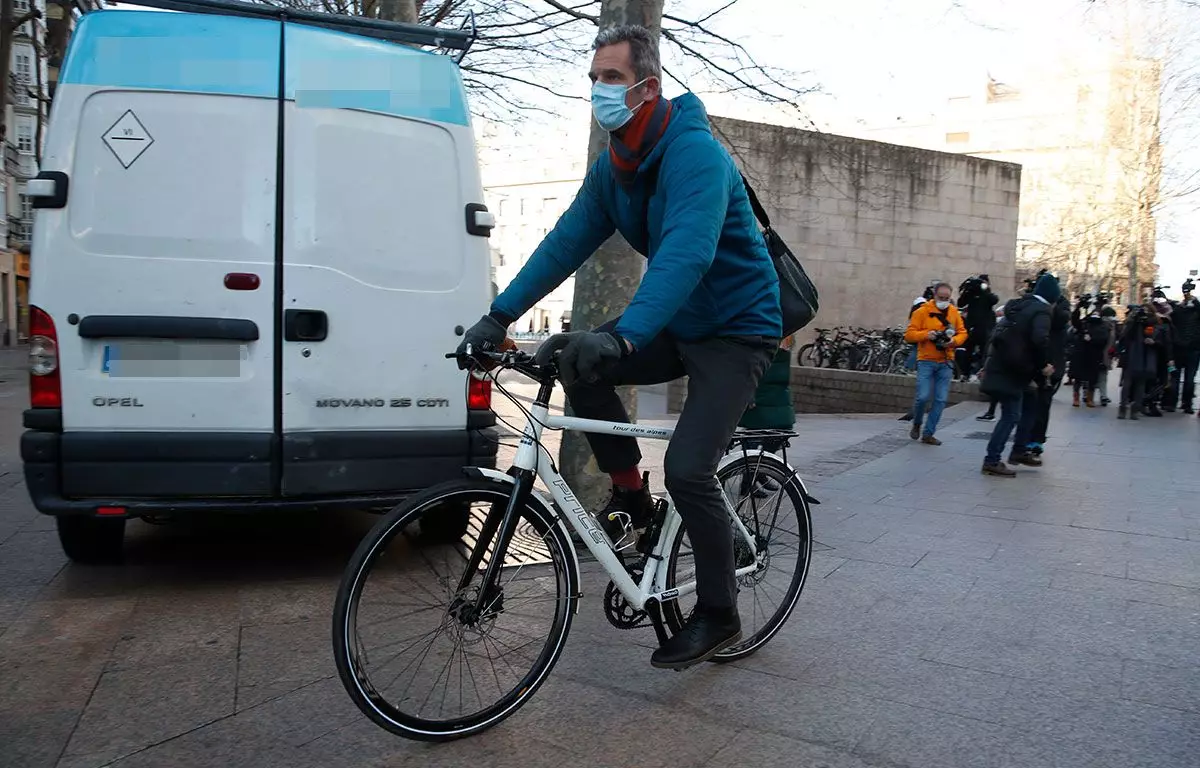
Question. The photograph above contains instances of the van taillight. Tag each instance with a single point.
(45, 386)
(479, 393)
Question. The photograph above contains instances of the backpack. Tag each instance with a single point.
(1010, 345)
(798, 299)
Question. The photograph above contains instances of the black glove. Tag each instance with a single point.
(585, 355)
(485, 336)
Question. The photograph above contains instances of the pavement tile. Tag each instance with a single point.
(30, 558)
(13, 601)
(133, 708)
(1171, 687)
(926, 738)
(34, 739)
(767, 750)
(905, 556)
(1145, 591)
(1057, 667)
(172, 627)
(938, 544)
(275, 659)
(587, 719)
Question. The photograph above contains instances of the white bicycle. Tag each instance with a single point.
(437, 638)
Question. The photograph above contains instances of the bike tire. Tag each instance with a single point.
(348, 657)
(809, 356)
(757, 467)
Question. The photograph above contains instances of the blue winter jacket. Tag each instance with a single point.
(708, 272)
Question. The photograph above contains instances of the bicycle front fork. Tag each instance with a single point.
(501, 525)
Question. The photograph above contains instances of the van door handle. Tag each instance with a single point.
(305, 325)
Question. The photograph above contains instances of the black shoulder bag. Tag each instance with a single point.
(797, 294)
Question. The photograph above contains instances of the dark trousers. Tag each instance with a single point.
(1041, 422)
(1029, 415)
(1010, 416)
(1133, 389)
(1186, 363)
(975, 345)
(723, 374)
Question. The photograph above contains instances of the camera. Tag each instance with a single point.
(943, 338)
(1159, 292)
(1189, 286)
(1085, 300)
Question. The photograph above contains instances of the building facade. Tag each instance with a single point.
(38, 45)
(1088, 141)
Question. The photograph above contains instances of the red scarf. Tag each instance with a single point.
(638, 138)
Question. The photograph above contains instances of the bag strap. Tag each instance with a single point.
(760, 213)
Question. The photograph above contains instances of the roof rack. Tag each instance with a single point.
(392, 31)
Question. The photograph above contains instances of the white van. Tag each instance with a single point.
(255, 240)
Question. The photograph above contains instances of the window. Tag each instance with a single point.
(26, 207)
(23, 66)
(960, 137)
(25, 136)
(20, 6)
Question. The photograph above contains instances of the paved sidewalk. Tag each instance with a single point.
(949, 619)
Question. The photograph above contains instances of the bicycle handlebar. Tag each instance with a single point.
(513, 359)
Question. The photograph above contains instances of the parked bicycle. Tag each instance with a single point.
(857, 349)
(488, 613)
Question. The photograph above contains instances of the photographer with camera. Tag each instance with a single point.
(1018, 354)
(1091, 340)
(977, 301)
(1141, 345)
(936, 327)
(1186, 319)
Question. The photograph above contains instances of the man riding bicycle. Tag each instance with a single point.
(707, 308)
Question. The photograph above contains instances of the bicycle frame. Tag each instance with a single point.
(531, 455)
(532, 460)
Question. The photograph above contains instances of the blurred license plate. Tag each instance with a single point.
(171, 359)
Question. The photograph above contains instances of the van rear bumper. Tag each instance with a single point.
(154, 472)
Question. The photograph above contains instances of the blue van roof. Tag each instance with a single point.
(237, 56)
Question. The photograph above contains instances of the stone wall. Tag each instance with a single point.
(874, 223)
(821, 390)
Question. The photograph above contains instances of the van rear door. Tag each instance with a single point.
(159, 274)
(379, 268)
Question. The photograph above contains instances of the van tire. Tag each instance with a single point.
(90, 540)
(448, 524)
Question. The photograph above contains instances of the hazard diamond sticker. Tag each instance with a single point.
(128, 139)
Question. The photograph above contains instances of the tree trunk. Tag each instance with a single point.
(605, 284)
(398, 10)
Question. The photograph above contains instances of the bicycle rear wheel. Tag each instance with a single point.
(767, 497)
(412, 649)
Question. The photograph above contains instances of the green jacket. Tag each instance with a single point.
(773, 399)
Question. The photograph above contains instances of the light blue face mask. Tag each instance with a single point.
(608, 104)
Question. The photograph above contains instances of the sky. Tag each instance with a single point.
(877, 60)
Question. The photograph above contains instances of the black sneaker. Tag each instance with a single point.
(986, 417)
(1188, 410)
(627, 511)
(705, 634)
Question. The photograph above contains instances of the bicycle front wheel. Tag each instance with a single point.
(810, 356)
(767, 497)
(423, 656)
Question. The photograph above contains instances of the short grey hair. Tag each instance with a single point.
(643, 48)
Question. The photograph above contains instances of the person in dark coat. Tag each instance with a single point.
(1186, 317)
(1019, 351)
(1091, 339)
(1156, 387)
(1033, 432)
(1140, 341)
(977, 303)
